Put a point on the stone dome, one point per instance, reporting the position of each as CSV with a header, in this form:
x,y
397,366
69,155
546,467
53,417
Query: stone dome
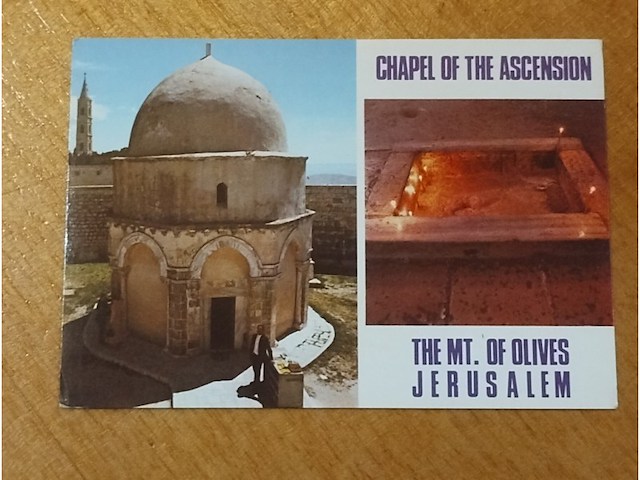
x,y
207,107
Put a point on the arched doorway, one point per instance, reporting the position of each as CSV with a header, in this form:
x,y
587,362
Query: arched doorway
x,y
224,291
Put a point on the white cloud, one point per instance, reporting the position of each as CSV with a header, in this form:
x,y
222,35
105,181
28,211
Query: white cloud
x,y
89,66
100,111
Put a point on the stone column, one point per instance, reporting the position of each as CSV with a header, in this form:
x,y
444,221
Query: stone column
x,y
177,333
302,286
195,326
261,305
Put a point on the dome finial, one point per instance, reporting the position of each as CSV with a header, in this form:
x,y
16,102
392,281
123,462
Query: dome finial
x,y
207,52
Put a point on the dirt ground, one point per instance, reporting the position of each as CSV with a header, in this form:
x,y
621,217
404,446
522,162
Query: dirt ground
x,y
337,303
84,284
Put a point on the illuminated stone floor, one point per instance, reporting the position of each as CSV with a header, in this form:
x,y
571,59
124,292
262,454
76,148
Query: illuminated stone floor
x,y
483,233
486,213
471,183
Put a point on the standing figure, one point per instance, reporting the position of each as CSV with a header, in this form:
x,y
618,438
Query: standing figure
x,y
260,352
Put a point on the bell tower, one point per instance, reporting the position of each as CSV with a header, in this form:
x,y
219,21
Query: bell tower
x,y
83,125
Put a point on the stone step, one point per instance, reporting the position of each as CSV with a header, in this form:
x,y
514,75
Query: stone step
x,y
485,237
546,227
545,144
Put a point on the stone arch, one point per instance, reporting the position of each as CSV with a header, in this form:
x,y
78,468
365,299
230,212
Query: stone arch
x,y
139,237
286,290
295,239
246,250
145,294
224,268
291,285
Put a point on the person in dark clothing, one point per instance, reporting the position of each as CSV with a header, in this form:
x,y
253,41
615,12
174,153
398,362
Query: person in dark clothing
x,y
260,352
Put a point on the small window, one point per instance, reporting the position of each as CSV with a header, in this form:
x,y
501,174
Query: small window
x,y
81,128
81,146
221,195
81,110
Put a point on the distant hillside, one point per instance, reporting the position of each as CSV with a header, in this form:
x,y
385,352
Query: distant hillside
x,y
331,179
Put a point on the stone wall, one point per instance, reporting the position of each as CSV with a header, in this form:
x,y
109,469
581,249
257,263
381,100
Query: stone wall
x,y
87,234
90,175
394,123
334,226
186,189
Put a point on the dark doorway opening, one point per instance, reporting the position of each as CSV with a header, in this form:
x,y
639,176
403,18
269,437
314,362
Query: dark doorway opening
x,y
223,315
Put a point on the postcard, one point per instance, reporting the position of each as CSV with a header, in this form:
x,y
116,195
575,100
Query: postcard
x,y
337,224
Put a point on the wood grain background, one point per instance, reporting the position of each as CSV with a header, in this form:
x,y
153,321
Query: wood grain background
x,y
40,440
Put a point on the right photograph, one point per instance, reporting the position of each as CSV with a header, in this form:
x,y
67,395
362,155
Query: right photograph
x,y
486,212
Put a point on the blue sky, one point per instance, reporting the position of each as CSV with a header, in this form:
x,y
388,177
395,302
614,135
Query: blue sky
x,y
312,81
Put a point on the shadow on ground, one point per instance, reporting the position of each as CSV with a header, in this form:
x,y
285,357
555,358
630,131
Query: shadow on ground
x,y
134,373
257,391
87,381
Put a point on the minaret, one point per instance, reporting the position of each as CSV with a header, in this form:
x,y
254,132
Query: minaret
x,y
83,125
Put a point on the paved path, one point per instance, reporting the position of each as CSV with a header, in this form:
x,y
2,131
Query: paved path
x,y
180,374
303,347
90,382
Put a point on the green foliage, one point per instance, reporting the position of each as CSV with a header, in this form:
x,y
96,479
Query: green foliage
x,y
337,303
89,281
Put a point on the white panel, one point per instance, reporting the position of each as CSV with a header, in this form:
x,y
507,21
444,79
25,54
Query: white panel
x,y
577,364
437,54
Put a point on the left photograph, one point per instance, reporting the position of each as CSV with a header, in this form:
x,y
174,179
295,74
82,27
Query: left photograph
x,y
211,225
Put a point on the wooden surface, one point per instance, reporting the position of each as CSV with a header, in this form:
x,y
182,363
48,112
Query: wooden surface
x,y
40,440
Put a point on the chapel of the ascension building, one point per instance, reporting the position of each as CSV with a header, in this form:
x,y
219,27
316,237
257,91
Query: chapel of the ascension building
x,y
83,123
210,235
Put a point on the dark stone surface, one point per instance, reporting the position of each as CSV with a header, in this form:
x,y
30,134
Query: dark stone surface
x,y
133,373
539,290
87,381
